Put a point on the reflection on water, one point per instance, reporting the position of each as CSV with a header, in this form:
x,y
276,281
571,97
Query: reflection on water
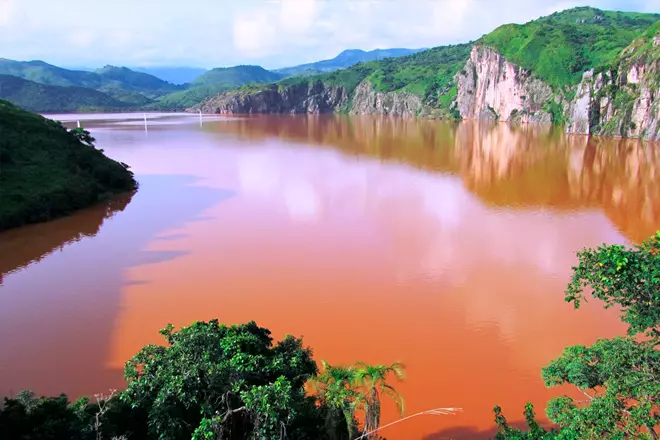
x,y
61,291
445,246
503,165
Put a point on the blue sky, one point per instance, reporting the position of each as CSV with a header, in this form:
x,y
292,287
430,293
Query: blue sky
x,y
272,33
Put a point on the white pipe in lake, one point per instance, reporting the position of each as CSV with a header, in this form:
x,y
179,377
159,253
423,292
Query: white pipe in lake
x,y
78,124
200,118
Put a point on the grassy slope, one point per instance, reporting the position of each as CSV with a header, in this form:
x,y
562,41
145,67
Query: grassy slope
x,y
215,81
559,47
45,172
37,97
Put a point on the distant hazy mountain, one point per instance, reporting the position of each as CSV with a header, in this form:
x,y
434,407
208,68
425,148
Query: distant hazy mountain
x,y
215,81
39,97
345,59
174,75
119,82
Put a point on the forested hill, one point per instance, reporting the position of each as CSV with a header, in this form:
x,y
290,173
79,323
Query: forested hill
x,y
49,171
37,97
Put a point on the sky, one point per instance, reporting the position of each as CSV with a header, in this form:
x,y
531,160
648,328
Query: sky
x,y
270,33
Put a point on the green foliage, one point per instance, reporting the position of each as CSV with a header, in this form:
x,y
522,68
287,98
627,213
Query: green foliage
x,y
628,278
619,378
212,377
559,47
534,430
48,171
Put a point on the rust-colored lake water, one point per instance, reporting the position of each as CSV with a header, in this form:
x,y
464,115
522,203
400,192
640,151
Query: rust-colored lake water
x,y
446,247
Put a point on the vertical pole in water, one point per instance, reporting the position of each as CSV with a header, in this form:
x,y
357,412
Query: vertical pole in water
x,y
146,130
78,123
200,118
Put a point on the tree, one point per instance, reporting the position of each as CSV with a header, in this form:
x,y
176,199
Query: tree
x,y
336,389
220,382
620,377
627,278
83,136
373,380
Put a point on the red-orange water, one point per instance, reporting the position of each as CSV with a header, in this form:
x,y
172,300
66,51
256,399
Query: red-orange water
x,y
445,247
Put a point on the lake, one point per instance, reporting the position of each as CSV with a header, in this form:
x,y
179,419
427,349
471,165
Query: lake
x,y
446,247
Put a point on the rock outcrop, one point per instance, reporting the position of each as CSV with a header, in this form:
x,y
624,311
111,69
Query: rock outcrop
x,y
623,100
492,88
366,101
312,98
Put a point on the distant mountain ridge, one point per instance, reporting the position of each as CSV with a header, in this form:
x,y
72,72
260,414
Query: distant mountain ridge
x,y
43,98
134,88
174,75
215,81
149,88
345,59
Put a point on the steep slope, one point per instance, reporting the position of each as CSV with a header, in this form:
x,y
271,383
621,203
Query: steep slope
x,y
43,98
622,98
48,172
559,47
345,59
215,81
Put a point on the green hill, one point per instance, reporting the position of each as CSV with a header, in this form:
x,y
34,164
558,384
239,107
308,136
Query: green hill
x,y
43,98
46,171
121,83
560,47
215,81
345,59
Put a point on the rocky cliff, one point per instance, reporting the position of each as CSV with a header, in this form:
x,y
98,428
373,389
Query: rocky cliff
x,y
313,98
621,98
624,98
492,88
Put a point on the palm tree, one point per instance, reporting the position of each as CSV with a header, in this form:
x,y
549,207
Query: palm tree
x,y
373,381
335,386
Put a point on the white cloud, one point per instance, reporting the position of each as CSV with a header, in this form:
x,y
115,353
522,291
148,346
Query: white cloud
x,y
7,12
273,33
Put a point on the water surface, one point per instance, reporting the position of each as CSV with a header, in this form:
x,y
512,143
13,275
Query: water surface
x,y
446,247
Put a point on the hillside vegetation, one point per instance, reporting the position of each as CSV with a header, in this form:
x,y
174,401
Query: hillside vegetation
x,y
47,171
37,97
560,47
213,82
133,88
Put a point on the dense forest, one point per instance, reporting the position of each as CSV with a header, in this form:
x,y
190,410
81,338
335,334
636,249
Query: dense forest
x,y
48,171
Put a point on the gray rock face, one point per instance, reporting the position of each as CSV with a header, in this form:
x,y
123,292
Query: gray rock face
x,y
366,101
312,98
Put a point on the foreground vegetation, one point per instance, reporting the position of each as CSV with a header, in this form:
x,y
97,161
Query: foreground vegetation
x,y
48,171
212,381
619,379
